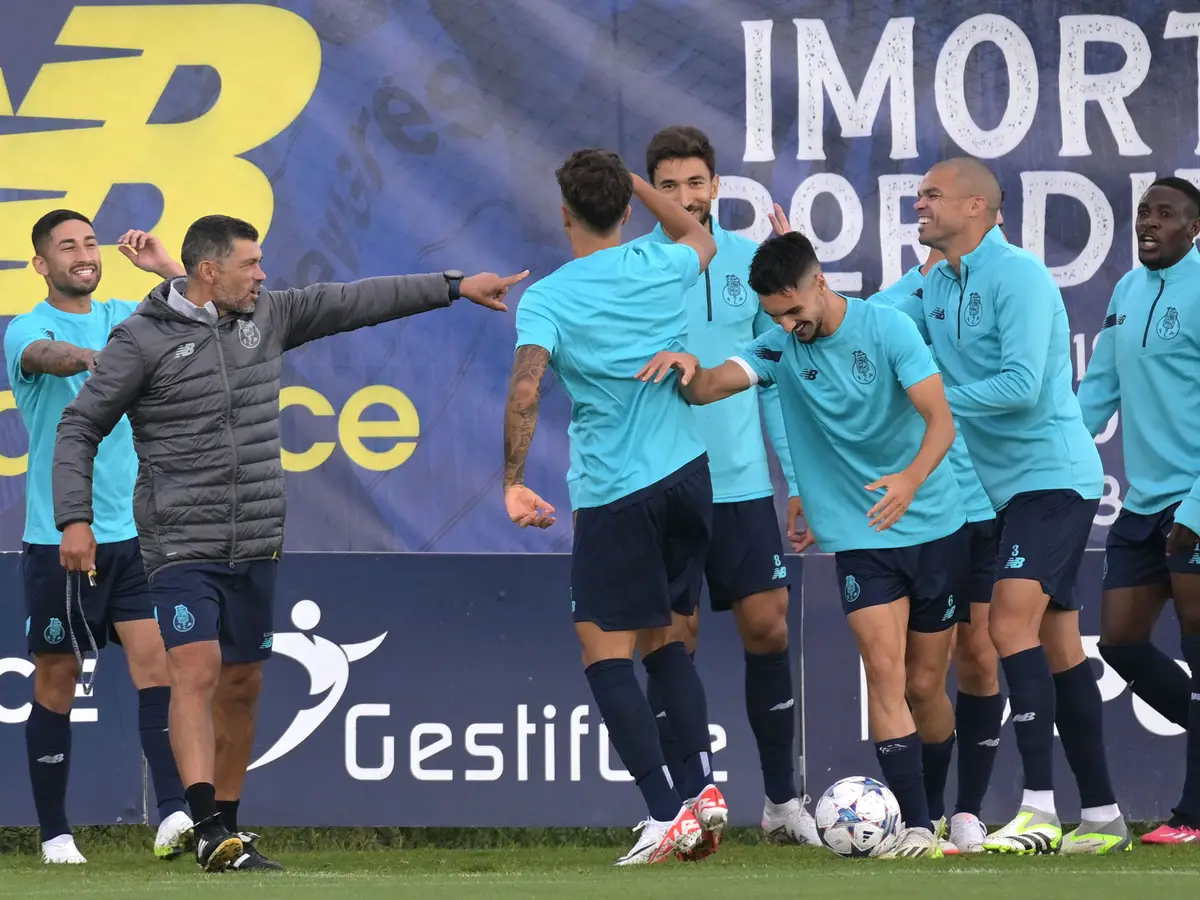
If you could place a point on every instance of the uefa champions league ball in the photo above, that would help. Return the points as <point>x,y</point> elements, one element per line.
<point>858,816</point>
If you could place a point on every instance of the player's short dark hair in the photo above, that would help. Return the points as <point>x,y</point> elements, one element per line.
<point>596,187</point>
<point>781,262</point>
<point>212,237</point>
<point>51,220</point>
<point>679,142</point>
<point>1184,187</point>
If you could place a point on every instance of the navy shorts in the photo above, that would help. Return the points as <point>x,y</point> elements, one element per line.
<point>1042,537</point>
<point>213,601</point>
<point>1136,551</point>
<point>120,595</point>
<point>981,576</point>
<point>746,553</point>
<point>638,559</point>
<point>930,575</point>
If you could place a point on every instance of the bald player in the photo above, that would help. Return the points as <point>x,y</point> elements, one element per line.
<point>999,331</point>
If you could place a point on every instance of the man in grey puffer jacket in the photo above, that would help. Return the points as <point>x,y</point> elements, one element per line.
<point>196,368</point>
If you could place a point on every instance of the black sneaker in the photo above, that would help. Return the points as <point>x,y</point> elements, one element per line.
<point>250,858</point>
<point>216,846</point>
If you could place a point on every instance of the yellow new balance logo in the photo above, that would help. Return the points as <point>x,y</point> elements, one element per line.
<point>268,61</point>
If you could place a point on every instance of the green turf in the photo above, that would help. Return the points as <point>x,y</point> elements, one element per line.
<point>584,872</point>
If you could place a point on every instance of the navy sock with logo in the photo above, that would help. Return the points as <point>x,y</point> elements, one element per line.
<point>1080,718</point>
<point>683,698</point>
<point>154,704</point>
<point>1031,694</point>
<point>1188,810</point>
<point>631,728</point>
<point>900,762</point>
<point>935,763</point>
<point>48,746</point>
<point>666,734</point>
<point>771,708</point>
<point>977,720</point>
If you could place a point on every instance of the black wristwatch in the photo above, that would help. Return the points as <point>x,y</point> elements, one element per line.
<point>453,280</point>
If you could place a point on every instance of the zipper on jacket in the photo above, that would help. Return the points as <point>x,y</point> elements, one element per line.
<point>708,292</point>
<point>232,445</point>
<point>962,290</point>
<point>1162,286</point>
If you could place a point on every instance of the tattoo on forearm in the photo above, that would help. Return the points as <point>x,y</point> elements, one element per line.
<point>56,358</point>
<point>520,413</point>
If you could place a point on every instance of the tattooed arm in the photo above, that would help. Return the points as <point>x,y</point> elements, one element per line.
<point>57,358</point>
<point>524,507</point>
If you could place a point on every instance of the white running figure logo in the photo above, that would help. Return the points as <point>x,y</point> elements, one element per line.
<point>328,667</point>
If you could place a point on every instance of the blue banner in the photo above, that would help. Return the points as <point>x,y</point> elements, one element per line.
<point>367,138</point>
<point>441,689</point>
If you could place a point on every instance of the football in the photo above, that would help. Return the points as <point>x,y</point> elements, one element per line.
<point>858,816</point>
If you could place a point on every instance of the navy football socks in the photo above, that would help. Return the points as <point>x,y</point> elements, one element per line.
<point>1188,810</point>
<point>48,746</point>
<point>1080,719</point>
<point>666,734</point>
<point>154,704</point>
<point>1153,676</point>
<point>682,694</point>
<point>1031,693</point>
<point>900,762</point>
<point>632,731</point>
<point>977,721</point>
<point>771,708</point>
<point>935,763</point>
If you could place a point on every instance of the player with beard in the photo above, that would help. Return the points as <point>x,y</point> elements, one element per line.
<point>868,427</point>
<point>744,569</point>
<point>974,722</point>
<point>51,351</point>
<point>999,331</point>
<point>1145,363</point>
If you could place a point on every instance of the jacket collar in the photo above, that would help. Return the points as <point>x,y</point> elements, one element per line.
<point>1186,269</point>
<point>991,245</point>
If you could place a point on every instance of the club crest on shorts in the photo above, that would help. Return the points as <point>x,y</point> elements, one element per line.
<point>248,334</point>
<point>851,591</point>
<point>734,293</point>
<point>54,632</point>
<point>864,369</point>
<point>973,314</point>
<point>1168,325</point>
<point>184,620</point>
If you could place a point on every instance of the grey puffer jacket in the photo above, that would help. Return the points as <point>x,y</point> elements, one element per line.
<point>203,401</point>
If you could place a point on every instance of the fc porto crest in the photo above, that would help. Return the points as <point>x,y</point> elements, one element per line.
<point>1168,325</point>
<point>248,334</point>
<point>973,314</point>
<point>184,620</point>
<point>734,293</point>
<point>54,632</point>
<point>851,591</point>
<point>864,369</point>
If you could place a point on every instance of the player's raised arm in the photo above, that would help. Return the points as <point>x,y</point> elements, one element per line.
<point>59,358</point>
<point>680,225</point>
<point>699,386</point>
